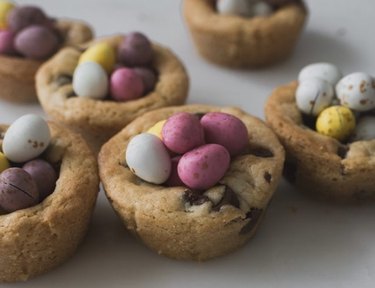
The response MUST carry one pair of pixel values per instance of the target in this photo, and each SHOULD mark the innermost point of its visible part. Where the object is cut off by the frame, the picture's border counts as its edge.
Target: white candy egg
(148, 158)
(323, 71)
(90, 80)
(26, 138)
(234, 7)
(365, 129)
(357, 91)
(262, 9)
(313, 95)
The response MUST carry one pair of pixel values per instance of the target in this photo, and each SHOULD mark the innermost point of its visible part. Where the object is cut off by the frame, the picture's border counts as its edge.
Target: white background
(302, 243)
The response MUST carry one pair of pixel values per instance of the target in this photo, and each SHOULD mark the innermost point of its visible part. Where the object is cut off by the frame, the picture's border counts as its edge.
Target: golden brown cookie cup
(176, 222)
(320, 165)
(98, 120)
(17, 74)
(39, 238)
(240, 42)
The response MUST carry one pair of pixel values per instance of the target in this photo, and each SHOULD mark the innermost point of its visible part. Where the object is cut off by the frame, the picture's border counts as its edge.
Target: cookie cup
(239, 42)
(98, 120)
(189, 225)
(319, 165)
(39, 238)
(17, 74)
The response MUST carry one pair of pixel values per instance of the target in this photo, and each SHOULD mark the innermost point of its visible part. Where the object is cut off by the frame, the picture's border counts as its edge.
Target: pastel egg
(365, 129)
(234, 7)
(262, 9)
(204, 166)
(357, 91)
(4, 163)
(157, 129)
(26, 138)
(90, 80)
(125, 85)
(182, 132)
(337, 122)
(174, 180)
(226, 130)
(148, 77)
(101, 53)
(313, 95)
(135, 50)
(7, 42)
(147, 157)
(5, 8)
(24, 16)
(322, 71)
(17, 190)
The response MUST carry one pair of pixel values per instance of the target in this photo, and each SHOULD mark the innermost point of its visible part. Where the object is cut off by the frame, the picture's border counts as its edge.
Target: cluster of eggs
(123, 74)
(186, 150)
(244, 8)
(27, 31)
(337, 101)
(25, 178)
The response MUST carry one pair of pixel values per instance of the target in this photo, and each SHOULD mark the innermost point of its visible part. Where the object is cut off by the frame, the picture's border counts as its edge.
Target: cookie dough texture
(317, 164)
(97, 120)
(39, 238)
(175, 221)
(235, 41)
(17, 74)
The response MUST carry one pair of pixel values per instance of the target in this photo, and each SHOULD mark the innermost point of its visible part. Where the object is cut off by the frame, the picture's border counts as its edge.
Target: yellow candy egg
(336, 121)
(5, 8)
(4, 163)
(101, 53)
(156, 129)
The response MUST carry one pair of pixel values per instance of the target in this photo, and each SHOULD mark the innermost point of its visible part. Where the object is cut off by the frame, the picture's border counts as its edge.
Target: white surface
(301, 243)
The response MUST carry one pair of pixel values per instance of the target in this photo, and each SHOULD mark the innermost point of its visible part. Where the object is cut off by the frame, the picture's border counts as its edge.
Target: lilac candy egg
(182, 132)
(135, 50)
(148, 77)
(174, 179)
(24, 16)
(226, 130)
(43, 174)
(204, 166)
(125, 85)
(18, 190)
(7, 42)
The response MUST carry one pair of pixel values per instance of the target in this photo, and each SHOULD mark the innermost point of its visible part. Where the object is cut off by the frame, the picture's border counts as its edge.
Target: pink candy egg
(6, 42)
(226, 130)
(126, 84)
(204, 166)
(174, 179)
(182, 132)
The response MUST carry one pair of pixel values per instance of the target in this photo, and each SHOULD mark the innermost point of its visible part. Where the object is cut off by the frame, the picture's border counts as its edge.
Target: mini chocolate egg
(262, 9)
(4, 163)
(182, 132)
(203, 167)
(24, 16)
(313, 95)
(101, 53)
(357, 91)
(336, 121)
(323, 71)
(135, 50)
(365, 129)
(174, 179)
(7, 42)
(148, 158)
(26, 138)
(125, 84)
(90, 80)
(157, 129)
(17, 190)
(235, 7)
(5, 8)
(148, 77)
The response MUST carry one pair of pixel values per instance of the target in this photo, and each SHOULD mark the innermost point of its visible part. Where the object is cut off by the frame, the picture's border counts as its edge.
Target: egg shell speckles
(204, 166)
(365, 129)
(323, 71)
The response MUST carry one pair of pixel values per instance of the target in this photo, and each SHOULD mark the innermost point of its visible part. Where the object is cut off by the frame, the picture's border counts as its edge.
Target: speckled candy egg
(4, 163)
(357, 91)
(24, 16)
(365, 129)
(204, 166)
(226, 130)
(135, 50)
(90, 80)
(148, 158)
(313, 95)
(101, 53)
(337, 122)
(125, 85)
(234, 7)
(323, 71)
(182, 132)
(5, 8)
(157, 129)
(7, 42)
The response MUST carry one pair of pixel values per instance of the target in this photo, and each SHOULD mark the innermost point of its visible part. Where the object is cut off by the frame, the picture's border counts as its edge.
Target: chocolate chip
(290, 171)
(64, 79)
(342, 150)
(267, 176)
(194, 197)
(253, 216)
(309, 121)
(260, 152)
(229, 198)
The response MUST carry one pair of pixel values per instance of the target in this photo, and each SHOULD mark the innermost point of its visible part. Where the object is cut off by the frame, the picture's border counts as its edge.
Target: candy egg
(90, 80)
(24, 16)
(357, 91)
(5, 8)
(313, 95)
(226, 130)
(36, 42)
(234, 7)
(174, 179)
(148, 158)
(262, 9)
(182, 132)
(323, 71)
(204, 166)
(148, 77)
(26, 138)
(336, 121)
(157, 128)
(135, 50)
(101, 53)
(4, 163)
(7, 42)
(125, 85)
(17, 190)
(365, 129)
